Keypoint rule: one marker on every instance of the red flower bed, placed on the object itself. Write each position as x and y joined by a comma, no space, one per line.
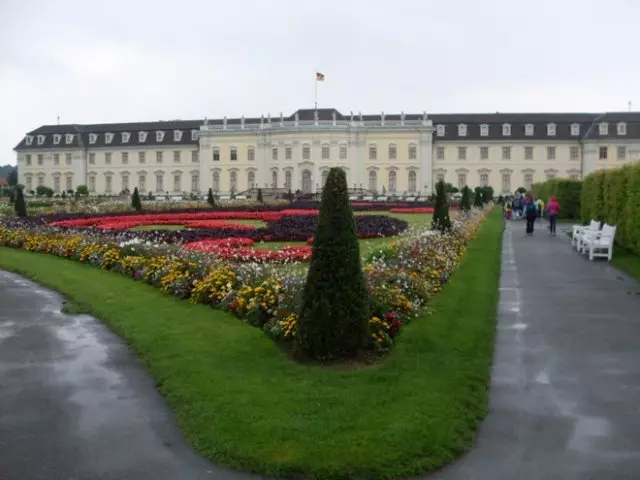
412,210
217,244
236,249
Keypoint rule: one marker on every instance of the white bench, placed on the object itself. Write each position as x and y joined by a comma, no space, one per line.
600,243
410,199
580,230
367,199
353,197
381,199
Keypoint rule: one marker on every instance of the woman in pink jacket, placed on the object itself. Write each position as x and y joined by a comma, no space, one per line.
553,209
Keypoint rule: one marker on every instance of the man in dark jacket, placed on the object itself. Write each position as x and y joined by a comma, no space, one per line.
531,212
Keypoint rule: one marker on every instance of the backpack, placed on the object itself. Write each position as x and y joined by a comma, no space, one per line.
532,209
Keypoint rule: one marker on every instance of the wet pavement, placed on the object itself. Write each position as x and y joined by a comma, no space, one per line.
565,394
76,405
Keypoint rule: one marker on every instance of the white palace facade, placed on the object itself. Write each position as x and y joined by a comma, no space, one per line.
402,154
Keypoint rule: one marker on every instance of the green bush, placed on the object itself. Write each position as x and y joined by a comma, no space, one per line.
441,220
477,197
567,193
135,200
586,199
334,318
20,206
465,202
210,200
631,213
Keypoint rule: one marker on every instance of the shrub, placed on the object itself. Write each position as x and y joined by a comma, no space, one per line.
334,316
567,192
259,197
135,200
477,198
82,190
20,205
465,203
441,220
210,200
487,194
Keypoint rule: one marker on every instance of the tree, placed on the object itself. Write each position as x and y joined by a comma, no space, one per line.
12,178
210,200
82,190
477,198
290,196
260,200
20,205
441,220
135,200
333,321
487,194
521,190
465,203
41,190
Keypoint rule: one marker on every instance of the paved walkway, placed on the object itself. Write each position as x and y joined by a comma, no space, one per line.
565,396
76,405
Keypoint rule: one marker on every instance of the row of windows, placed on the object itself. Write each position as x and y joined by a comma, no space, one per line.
108,158
574,153
109,137
529,129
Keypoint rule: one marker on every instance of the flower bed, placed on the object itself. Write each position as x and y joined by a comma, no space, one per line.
412,210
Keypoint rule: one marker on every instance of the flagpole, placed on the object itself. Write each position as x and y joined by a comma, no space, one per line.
316,95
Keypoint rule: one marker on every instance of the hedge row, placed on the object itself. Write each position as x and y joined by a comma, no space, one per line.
568,193
613,196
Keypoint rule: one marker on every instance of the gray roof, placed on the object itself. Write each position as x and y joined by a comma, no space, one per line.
451,121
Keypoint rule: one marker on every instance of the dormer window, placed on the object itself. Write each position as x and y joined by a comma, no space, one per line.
551,129
28,139
529,129
177,135
159,136
194,135
462,130
603,128
41,139
622,128
575,129
93,138
484,130
56,139
125,137
506,130
108,137
142,137
69,138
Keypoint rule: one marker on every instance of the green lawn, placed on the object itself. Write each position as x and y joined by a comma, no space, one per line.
243,404
627,262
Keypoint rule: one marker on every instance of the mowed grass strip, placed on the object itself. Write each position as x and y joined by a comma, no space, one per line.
241,403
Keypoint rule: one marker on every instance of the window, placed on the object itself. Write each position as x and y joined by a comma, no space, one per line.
551,175
325,175
92,159
506,130
142,182
41,139
142,137
306,152
107,158
603,153
462,180
551,129
195,182
125,182
484,153
413,152
393,152
233,154
528,180
158,157
69,182
551,153
462,153
575,129
603,128
108,180
125,137
67,159
287,180
194,135
484,130
194,156
159,182
528,153
274,179
392,181
92,183
93,138
40,159
141,157
176,157
440,177
373,152
29,183
574,153
440,153
177,182
159,136
56,139
325,152
574,176
343,152
506,182
529,129
56,183
274,154
216,155
27,159
412,181
484,179
506,153
462,130
177,135
622,153
373,180
251,154
69,138
28,139
440,130
56,158
108,137
288,154
622,128
216,181
40,180
251,179
124,156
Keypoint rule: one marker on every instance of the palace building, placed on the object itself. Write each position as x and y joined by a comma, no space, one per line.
402,154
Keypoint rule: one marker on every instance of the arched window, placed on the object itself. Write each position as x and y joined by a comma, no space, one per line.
287,179
412,181
373,181
216,181
392,181
307,183
325,175
251,179
274,179
233,181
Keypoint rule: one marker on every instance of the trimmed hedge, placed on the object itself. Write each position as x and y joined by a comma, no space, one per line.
568,193
613,196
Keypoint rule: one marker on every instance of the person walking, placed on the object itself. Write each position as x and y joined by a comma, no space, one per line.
553,209
530,212
540,204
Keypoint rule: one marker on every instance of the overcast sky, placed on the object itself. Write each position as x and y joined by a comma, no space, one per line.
116,61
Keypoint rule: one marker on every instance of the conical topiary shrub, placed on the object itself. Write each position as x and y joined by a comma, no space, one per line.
477,198
135,200
465,203
333,321
259,196
210,200
20,206
441,220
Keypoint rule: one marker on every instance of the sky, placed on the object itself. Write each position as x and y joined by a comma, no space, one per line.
87,61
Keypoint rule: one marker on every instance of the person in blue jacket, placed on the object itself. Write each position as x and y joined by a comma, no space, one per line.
531,213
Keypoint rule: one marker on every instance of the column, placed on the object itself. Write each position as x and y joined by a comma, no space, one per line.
425,173
316,156
205,161
263,149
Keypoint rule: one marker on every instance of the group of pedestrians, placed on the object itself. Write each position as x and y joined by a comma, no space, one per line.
527,207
